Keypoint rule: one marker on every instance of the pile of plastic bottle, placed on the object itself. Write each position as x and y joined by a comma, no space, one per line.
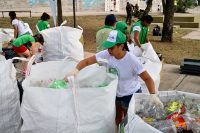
180,114
54,84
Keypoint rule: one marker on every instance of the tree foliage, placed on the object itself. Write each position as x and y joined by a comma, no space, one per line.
183,5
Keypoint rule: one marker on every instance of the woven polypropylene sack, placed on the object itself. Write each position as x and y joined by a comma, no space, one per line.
91,110
61,42
9,99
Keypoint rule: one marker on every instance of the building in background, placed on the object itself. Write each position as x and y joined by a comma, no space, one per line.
81,5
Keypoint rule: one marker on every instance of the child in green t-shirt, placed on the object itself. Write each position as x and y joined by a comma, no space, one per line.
25,46
24,43
43,23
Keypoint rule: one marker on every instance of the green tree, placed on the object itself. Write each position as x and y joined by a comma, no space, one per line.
183,5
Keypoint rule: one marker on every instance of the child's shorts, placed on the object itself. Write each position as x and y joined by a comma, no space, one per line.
125,100
20,49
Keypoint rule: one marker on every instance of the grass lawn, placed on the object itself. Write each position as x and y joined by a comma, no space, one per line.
172,53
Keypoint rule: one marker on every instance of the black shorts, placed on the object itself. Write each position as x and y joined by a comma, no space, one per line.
125,100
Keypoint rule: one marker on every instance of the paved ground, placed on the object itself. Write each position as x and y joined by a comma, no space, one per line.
171,79
193,35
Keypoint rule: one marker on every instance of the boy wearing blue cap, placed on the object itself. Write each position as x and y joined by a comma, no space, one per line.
128,69
102,34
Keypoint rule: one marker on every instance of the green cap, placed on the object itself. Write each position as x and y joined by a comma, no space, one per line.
122,26
114,37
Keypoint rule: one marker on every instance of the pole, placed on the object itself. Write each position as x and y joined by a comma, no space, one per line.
74,13
59,11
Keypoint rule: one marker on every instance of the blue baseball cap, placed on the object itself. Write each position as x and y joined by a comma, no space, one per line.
110,19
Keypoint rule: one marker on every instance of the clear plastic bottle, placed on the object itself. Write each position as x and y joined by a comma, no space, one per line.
46,83
195,124
39,53
148,110
178,124
195,127
165,126
58,84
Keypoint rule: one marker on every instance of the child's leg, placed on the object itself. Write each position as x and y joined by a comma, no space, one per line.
119,113
25,54
22,51
122,104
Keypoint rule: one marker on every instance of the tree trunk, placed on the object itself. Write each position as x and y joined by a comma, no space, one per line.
167,32
148,8
59,10
163,5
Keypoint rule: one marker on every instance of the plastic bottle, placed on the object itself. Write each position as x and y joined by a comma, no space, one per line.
195,124
178,124
58,84
148,110
46,83
195,127
39,57
165,126
182,123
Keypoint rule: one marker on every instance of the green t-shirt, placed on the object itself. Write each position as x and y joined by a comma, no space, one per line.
42,25
102,36
23,40
143,31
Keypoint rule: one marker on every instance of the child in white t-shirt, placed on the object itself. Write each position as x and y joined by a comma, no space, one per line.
20,28
128,69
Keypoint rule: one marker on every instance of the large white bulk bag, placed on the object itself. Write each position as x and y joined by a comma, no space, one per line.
84,109
61,42
5,36
10,119
2,57
151,63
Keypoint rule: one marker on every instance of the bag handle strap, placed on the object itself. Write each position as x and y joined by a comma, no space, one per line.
79,27
29,65
71,80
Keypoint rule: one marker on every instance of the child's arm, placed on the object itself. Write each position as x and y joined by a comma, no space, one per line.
33,47
86,62
82,64
148,81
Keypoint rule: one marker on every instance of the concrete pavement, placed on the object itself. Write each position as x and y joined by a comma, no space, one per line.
171,79
195,35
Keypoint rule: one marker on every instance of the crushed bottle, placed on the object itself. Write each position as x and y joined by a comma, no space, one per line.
173,106
53,83
165,126
58,84
148,110
178,124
